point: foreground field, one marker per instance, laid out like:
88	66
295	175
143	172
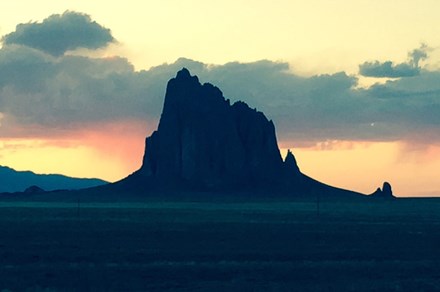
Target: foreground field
183	246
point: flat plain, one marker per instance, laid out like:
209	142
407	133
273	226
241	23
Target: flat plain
284	245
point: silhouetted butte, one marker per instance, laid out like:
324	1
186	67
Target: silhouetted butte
205	143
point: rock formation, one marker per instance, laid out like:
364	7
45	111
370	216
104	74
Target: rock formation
386	192
204	142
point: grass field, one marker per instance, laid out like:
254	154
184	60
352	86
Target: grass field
208	246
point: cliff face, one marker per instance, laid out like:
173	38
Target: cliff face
203	140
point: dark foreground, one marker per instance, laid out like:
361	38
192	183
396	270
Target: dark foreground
181	246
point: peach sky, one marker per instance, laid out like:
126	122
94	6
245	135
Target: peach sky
115	150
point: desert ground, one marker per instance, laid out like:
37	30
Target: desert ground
242	245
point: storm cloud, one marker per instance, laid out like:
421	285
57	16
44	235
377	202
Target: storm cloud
60	33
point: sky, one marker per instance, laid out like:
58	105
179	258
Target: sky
353	87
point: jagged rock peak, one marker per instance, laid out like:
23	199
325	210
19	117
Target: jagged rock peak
290	158
290	162
183	74
386	191
204	140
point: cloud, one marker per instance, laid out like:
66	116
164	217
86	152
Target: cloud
60	33
40	91
417	55
73	92
388	69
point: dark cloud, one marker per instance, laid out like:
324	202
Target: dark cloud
388	69
60	33
73	92
42	90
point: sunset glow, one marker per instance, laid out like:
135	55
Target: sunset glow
110	152
352	86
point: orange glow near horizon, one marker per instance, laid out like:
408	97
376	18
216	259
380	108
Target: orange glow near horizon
114	152
364	166
44	157
107	151
348	165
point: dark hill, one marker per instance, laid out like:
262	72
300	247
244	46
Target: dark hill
205	143
19	181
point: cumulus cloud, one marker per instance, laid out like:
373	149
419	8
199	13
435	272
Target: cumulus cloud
60	33
73	92
44	92
388	69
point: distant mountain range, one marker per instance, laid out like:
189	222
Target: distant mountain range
18	181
